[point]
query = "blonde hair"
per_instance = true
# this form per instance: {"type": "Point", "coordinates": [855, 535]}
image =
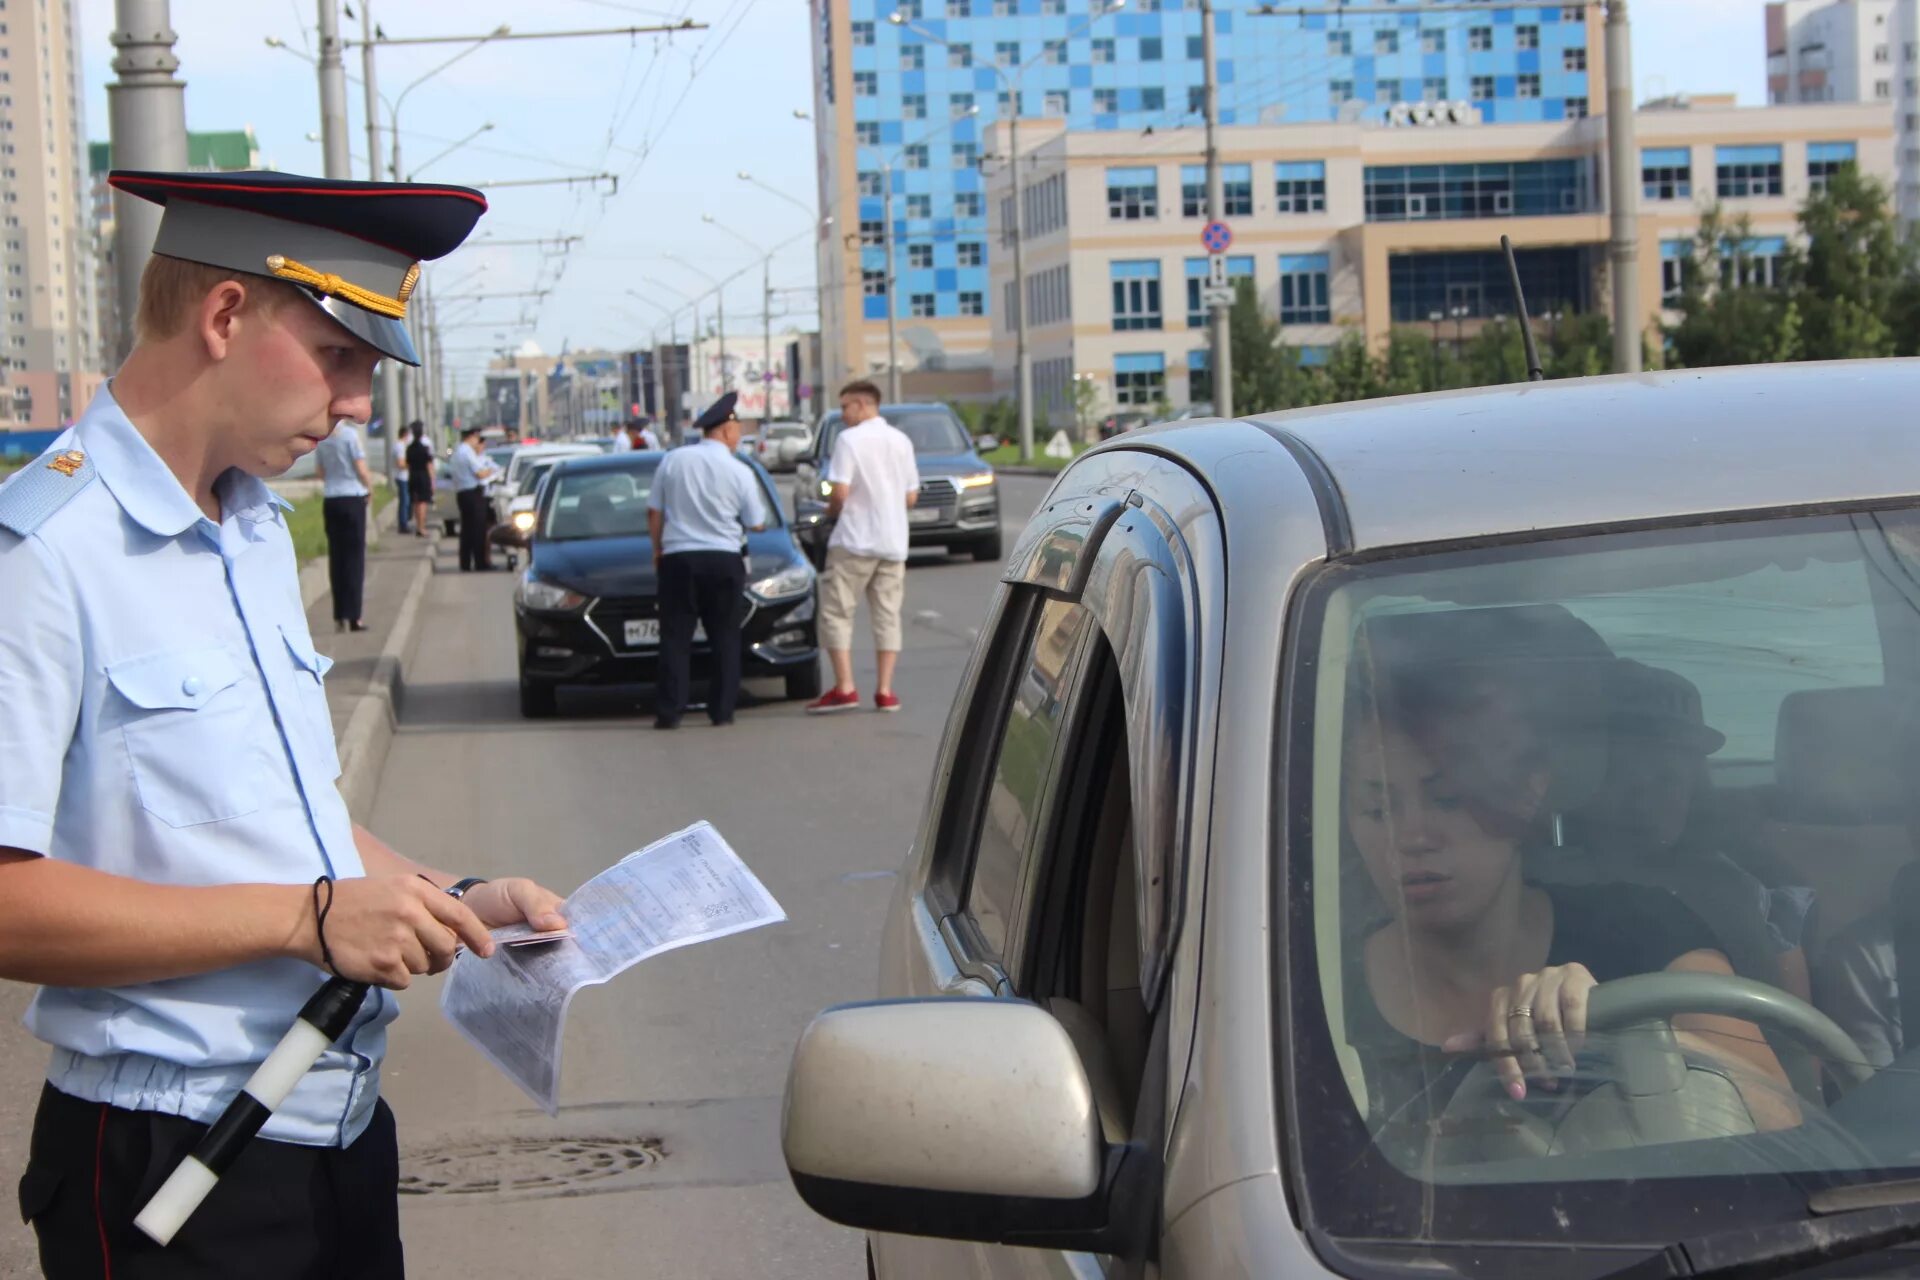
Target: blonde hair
{"type": "Point", "coordinates": [170, 288]}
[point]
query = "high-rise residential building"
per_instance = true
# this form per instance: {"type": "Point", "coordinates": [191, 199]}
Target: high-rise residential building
{"type": "Point", "coordinates": [918, 98]}
{"type": "Point", "coordinates": [1831, 51]}
{"type": "Point", "coordinates": [48, 336]}
{"type": "Point", "coordinates": [218, 151]}
{"type": "Point", "coordinates": [1906, 108]}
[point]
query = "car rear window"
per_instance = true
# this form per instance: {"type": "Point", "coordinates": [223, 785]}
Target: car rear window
{"type": "Point", "coordinates": [600, 504]}
{"type": "Point", "coordinates": [931, 430]}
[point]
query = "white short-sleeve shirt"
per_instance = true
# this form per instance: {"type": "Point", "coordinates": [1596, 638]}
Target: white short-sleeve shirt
{"type": "Point", "coordinates": [875, 461]}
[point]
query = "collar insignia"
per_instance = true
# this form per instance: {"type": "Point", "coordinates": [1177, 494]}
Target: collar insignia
{"type": "Point", "coordinates": [68, 463]}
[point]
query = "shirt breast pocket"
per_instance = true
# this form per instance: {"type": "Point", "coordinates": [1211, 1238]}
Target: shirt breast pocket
{"type": "Point", "coordinates": [193, 729]}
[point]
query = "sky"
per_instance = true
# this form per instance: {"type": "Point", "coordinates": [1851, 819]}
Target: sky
{"type": "Point", "coordinates": [676, 118]}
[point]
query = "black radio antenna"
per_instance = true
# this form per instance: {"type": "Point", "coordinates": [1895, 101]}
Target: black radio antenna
{"type": "Point", "coordinates": [1534, 372]}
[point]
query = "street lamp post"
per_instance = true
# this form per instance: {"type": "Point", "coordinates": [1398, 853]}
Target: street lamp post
{"type": "Point", "coordinates": [693, 302]}
{"type": "Point", "coordinates": [719, 307]}
{"type": "Point", "coordinates": [1023, 360]}
{"type": "Point", "coordinates": [766, 308]}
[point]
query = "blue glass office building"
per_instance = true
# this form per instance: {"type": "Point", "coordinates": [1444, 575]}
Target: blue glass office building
{"type": "Point", "coordinates": [900, 96]}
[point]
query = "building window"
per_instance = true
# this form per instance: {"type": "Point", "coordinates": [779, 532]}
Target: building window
{"type": "Point", "coordinates": [1403, 193]}
{"type": "Point", "coordinates": [1006, 8]}
{"type": "Point", "coordinates": [973, 304]}
{"type": "Point", "coordinates": [1133, 194]}
{"type": "Point", "coordinates": [1479, 39]}
{"type": "Point", "coordinates": [1433, 40]}
{"type": "Point", "coordinates": [1477, 283]}
{"type": "Point", "coordinates": [913, 106]}
{"type": "Point", "coordinates": [1754, 263]}
{"type": "Point", "coordinates": [1747, 171]}
{"type": "Point", "coordinates": [1055, 103]}
{"type": "Point", "coordinates": [1666, 173]}
{"type": "Point", "coordinates": [1303, 289]}
{"type": "Point", "coordinates": [1300, 186]}
{"type": "Point", "coordinates": [1102, 51]}
{"type": "Point", "coordinates": [873, 232]}
{"type": "Point", "coordinates": [1340, 43]}
{"type": "Point", "coordinates": [1481, 89]}
{"type": "Point", "coordinates": [966, 155]}
{"type": "Point", "coordinates": [870, 184]}
{"type": "Point", "coordinates": [1340, 91]}
{"type": "Point", "coordinates": [873, 283]}
{"type": "Point", "coordinates": [920, 206]}
{"type": "Point", "coordinates": [969, 253]}
{"type": "Point", "coordinates": [1386, 40]}
{"type": "Point", "coordinates": [960, 56]}
{"type": "Point", "coordinates": [961, 104]}
{"type": "Point", "coordinates": [1526, 37]}
{"type": "Point", "coordinates": [1574, 108]}
{"type": "Point", "coordinates": [867, 133]}
{"type": "Point", "coordinates": [1433, 88]}
{"type": "Point", "coordinates": [1238, 268]}
{"type": "Point", "coordinates": [1149, 48]}
{"type": "Point", "coordinates": [1387, 90]}
{"type": "Point", "coordinates": [1139, 380]}
{"type": "Point", "coordinates": [1136, 294]}
{"type": "Point", "coordinates": [1006, 52]}
{"type": "Point", "coordinates": [1573, 13]}
{"type": "Point", "coordinates": [1056, 53]}
{"type": "Point", "coordinates": [1236, 191]}
{"type": "Point", "coordinates": [913, 57]}
{"type": "Point", "coordinates": [1106, 102]}
{"type": "Point", "coordinates": [1526, 86]}
{"type": "Point", "coordinates": [920, 257]}
{"type": "Point", "coordinates": [920, 306]}
{"type": "Point", "coordinates": [1882, 53]}
{"type": "Point", "coordinates": [865, 84]}
{"type": "Point", "coordinates": [1673, 262]}
{"type": "Point", "coordinates": [914, 157]}
{"type": "Point", "coordinates": [1881, 88]}
{"type": "Point", "coordinates": [862, 34]}
{"type": "Point", "coordinates": [1153, 98]}
{"type": "Point", "coordinates": [1824, 159]}
{"type": "Point", "coordinates": [968, 204]}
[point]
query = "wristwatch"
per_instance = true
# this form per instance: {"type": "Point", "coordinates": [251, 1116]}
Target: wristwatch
{"type": "Point", "coordinates": [459, 888]}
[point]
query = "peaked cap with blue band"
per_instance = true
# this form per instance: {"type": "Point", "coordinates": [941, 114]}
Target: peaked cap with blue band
{"type": "Point", "coordinates": [353, 248]}
{"type": "Point", "coordinates": [720, 413]}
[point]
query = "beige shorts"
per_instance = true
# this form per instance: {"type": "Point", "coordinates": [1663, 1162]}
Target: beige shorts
{"type": "Point", "coordinates": [847, 576]}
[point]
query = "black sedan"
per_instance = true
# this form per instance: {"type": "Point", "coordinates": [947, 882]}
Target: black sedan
{"type": "Point", "coordinates": [588, 609]}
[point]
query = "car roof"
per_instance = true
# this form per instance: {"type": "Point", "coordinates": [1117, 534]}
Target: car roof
{"type": "Point", "coordinates": [1577, 453]}
{"type": "Point", "coordinates": [597, 461]}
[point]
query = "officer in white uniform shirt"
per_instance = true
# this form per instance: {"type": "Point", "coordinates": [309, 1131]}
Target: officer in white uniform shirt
{"type": "Point", "coordinates": [169, 814]}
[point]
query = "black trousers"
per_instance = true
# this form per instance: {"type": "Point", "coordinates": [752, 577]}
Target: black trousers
{"type": "Point", "coordinates": [702, 587]}
{"type": "Point", "coordinates": [475, 516]}
{"type": "Point", "coordinates": [346, 524]}
{"type": "Point", "coordinates": [282, 1211]}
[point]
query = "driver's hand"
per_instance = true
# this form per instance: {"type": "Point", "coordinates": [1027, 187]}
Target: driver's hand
{"type": "Point", "coordinates": [1535, 1024]}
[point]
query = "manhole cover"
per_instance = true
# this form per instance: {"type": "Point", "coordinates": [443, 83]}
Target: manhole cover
{"type": "Point", "coordinates": [526, 1166]}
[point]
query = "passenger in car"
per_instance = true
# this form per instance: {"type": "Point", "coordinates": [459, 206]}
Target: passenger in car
{"type": "Point", "coordinates": [1646, 826]}
{"type": "Point", "coordinates": [1444, 781]}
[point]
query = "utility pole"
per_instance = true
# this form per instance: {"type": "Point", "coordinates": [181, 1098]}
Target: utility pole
{"type": "Point", "coordinates": [1623, 195]}
{"type": "Point", "coordinates": [766, 340]}
{"type": "Point", "coordinates": [886, 240]}
{"type": "Point", "coordinates": [147, 111]}
{"type": "Point", "coordinates": [1022, 362]}
{"type": "Point", "coordinates": [333, 94]}
{"type": "Point", "coordinates": [390, 411]}
{"type": "Point", "coordinates": [1220, 361]}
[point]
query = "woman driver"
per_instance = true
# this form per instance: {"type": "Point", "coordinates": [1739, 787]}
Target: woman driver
{"type": "Point", "coordinates": [1445, 780]}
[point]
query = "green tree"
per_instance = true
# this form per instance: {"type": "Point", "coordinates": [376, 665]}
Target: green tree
{"type": "Point", "coordinates": [1855, 271]}
{"type": "Point", "coordinates": [1260, 378]}
{"type": "Point", "coordinates": [1727, 316]}
{"type": "Point", "coordinates": [1350, 372]}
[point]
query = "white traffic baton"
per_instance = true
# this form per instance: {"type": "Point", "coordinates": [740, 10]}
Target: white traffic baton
{"type": "Point", "coordinates": [321, 1022]}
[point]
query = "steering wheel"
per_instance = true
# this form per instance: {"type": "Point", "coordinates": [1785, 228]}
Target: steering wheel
{"type": "Point", "coordinates": [1653, 1095]}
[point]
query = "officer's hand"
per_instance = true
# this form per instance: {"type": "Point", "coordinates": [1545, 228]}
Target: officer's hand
{"type": "Point", "coordinates": [515, 900]}
{"type": "Point", "coordinates": [385, 929]}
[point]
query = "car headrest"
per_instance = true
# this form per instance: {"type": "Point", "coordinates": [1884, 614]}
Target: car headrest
{"type": "Point", "coordinates": [1847, 755]}
{"type": "Point", "coordinates": [1554, 664]}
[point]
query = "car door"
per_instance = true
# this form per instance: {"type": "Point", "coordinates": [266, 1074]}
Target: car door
{"type": "Point", "coordinates": [1056, 837]}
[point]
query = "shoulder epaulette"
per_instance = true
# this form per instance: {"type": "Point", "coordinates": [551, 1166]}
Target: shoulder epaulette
{"type": "Point", "coordinates": [42, 487]}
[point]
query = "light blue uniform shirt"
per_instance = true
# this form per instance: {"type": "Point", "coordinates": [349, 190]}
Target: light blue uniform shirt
{"type": "Point", "coordinates": [162, 717]}
{"type": "Point", "coordinates": [337, 453]}
{"type": "Point", "coordinates": [709, 498]}
{"type": "Point", "coordinates": [469, 468]}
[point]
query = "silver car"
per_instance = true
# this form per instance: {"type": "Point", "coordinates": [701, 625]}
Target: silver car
{"type": "Point", "coordinates": [1468, 834]}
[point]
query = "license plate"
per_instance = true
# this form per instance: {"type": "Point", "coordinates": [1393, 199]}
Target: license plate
{"type": "Point", "coordinates": [646, 631]}
{"type": "Point", "coordinates": [924, 515]}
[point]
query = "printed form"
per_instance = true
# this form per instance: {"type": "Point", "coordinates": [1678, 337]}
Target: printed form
{"type": "Point", "coordinates": [690, 887]}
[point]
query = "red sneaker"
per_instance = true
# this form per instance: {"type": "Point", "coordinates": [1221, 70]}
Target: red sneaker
{"type": "Point", "coordinates": [834, 700]}
{"type": "Point", "coordinates": [886, 702]}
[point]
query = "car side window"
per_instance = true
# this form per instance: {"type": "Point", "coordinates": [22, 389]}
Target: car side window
{"type": "Point", "coordinates": [1016, 787]}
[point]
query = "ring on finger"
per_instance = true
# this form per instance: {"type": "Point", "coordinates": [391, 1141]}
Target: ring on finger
{"type": "Point", "coordinates": [1521, 1011]}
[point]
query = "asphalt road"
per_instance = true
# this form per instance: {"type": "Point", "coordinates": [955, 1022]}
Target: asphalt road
{"type": "Point", "coordinates": [665, 1157]}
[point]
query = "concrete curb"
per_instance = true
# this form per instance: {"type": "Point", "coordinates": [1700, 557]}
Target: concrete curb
{"type": "Point", "coordinates": [370, 725]}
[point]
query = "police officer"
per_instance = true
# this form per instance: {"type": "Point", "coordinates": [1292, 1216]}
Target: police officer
{"type": "Point", "coordinates": [704, 503]}
{"type": "Point", "coordinates": [471, 469]}
{"type": "Point", "coordinates": [169, 819]}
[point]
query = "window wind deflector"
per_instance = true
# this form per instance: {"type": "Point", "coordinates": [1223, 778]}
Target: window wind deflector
{"type": "Point", "coordinates": [1785, 1248]}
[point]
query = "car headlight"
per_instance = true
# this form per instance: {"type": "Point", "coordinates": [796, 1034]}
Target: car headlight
{"type": "Point", "coordinates": [980, 481]}
{"type": "Point", "coordinates": [788, 582]}
{"type": "Point", "coordinates": [546, 597]}
{"type": "Point", "coordinates": [523, 521]}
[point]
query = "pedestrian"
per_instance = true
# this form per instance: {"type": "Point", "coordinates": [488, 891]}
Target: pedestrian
{"type": "Point", "coordinates": [643, 435]}
{"type": "Point", "coordinates": [704, 503]}
{"type": "Point", "coordinates": [345, 484]}
{"type": "Point", "coordinates": [402, 483]}
{"type": "Point", "coordinates": [420, 479]}
{"type": "Point", "coordinates": [622, 441]}
{"type": "Point", "coordinates": [471, 470]}
{"type": "Point", "coordinates": [178, 871]}
{"type": "Point", "coordinates": [874, 480]}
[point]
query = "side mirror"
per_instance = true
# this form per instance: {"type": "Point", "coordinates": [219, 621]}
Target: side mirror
{"type": "Point", "coordinates": [963, 1119]}
{"type": "Point", "coordinates": [986, 444]}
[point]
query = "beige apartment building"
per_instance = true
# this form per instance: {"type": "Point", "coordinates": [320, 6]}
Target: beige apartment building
{"type": "Point", "coordinates": [48, 337]}
{"type": "Point", "coordinates": [1364, 227]}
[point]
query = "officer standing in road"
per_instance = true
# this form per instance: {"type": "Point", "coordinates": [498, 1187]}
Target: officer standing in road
{"type": "Point", "coordinates": [178, 870]}
{"type": "Point", "coordinates": [471, 470]}
{"type": "Point", "coordinates": [704, 503]}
